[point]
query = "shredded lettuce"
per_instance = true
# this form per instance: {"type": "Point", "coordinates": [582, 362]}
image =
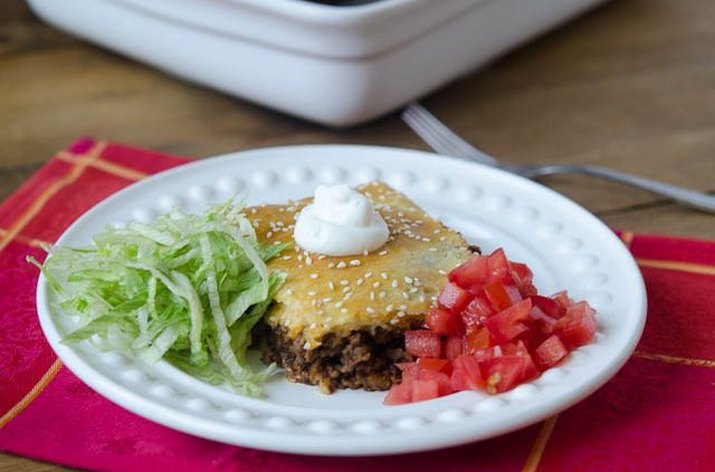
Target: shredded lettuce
{"type": "Point", "coordinates": [185, 288]}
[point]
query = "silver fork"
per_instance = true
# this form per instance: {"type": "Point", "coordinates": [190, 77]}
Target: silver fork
{"type": "Point", "coordinates": [445, 141]}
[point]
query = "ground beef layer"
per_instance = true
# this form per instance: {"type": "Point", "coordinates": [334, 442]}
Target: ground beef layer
{"type": "Point", "coordinates": [363, 359]}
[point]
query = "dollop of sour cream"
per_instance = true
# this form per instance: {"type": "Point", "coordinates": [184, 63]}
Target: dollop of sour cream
{"type": "Point", "coordinates": [340, 222]}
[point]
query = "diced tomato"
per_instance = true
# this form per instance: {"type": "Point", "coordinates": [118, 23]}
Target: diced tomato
{"type": "Point", "coordinates": [549, 306]}
{"type": "Point", "coordinates": [550, 352]}
{"type": "Point", "coordinates": [423, 343]}
{"type": "Point", "coordinates": [399, 394]}
{"type": "Point", "coordinates": [508, 324]}
{"type": "Point", "coordinates": [444, 321]}
{"type": "Point", "coordinates": [497, 265]}
{"type": "Point", "coordinates": [506, 372]}
{"type": "Point", "coordinates": [453, 347]}
{"type": "Point", "coordinates": [424, 390]}
{"type": "Point", "coordinates": [487, 353]}
{"type": "Point", "coordinates": [523, 278]}
{"type": "Point", "coordinates": [432, 363]}
{"type": "Point", "coordinates": [514, 294]}
{"type": "Point", "coordinates": [471, 275]}
{"type": "Point", "coordinates": [497, 295]}
{"type": "Point", "coordinates": [412, 371]}
{"type": "Point", "coordinates": [562, 298]}
{"type": "Point", "coordinates": [578, 326]}
{"type": "Point", "coordinates": [477, 311]}
{"type": "Point", "coordinates": [477, 339]}
{"type": "Point", "coordinates": [454, 298]}
{"type": "Point", "coordinates": [466, 374]}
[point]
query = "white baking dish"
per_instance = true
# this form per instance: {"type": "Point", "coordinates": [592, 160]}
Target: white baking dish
{"type": "Point", "coordinates": [335, 65]}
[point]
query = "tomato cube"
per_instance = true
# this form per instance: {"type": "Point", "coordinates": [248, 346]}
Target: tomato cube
{"type": "Point", "coordinates": [477, 311]}
{"type": "Point", "coordinates": [399, 394]}
{"type": "Point", "coordinates": [549, 306]}
{"type": "Point", "coordinates": [424, 390]}
{"type": "Point", "coordinates": [578, 326]}
{"type": "Point", "coordinates": [497, 265]}
{"type": "Point", "coordinates": [523, 278]}
{"type": "Point", "coordinates": [453, 347]}
{"type": "Point", "coordinates": [506, 372]}
{"type": "Point", "coordinates": [508, 324]}
{"type": "Point", "coordinates": [497, 295]}
{"type": "Point", "coordinates": [423, 343]}
{"type": "Point", "coordinates": [550, 352]}
{"type": "Point", "coordinates": [466, 374]}
{"type": "Point", "coordinates": [434, 364]}
{"type": "Point", "coordinates": [443, 321]}
{"type": "Point", "coordinates": [472, 275]}
{"type": "Point", "coordinates": [477, 339]}
{"type": "Point", "coordinates": [454, 298]}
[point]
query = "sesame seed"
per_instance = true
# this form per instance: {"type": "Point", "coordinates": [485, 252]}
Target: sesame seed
{"type": "Point", "coordinates": [442, 238]}
{"type": "Point", "coordinates": [394, 321]}
{"type": "Point", "coordinates": [313, 325]}
{"type": "Point", "coordinates": [394, 283]}
{"type": "Point", "coordinates": [331, 265]}
{"type": "Point", "coordinates": [346, 289]}
{"type": "Point", "coordinates": [327, 300]}
{"type": "Point", "coordinates": [312, 293]}
{"type": "Point", "coordinates": [409, 280]}
{"type": "Point", "coordinates": [279, 223]}
{"type": "Point", "coordinates": [382, 294]}
{"type": "Point", "coordinates": [341, 265]}
{"type": "Point", "coordinates": [370, 310]}
{"type": "Point", "coordinates": [355, 262]}
{"type": "Point", "coordinates": [289, 292]}
{"type": "Point", "coordinates": [364, 253]}
{"type": "Point", "coordinates": [306, 346]}
{"type": "Point", "coordinates": [344, 282]}
{"type": "Point", "coordinates": [269, 234]}
{"type": "Point", "coordinates": [437, 231]}
{"type": "Point", "coordinates": [331, 285]}
{"type": "Point", "coordinates": [359, 282]}
{"type": "Point", "coordinates": [308, 260]}
{"type": "Point", "coordinates": [300, 257]}
{"type": "Point", "coordinates": [372, 296]}
{"type": "Point", "coordinates": [442, 272]}
{"type": "Point", "coordinates": [403, 307]}
{"type": "Point", "coordinates": [343, 310]}
{"type": "Point", "coordinates": [376, 284]}
{"type": "Point", "coordinates": [347, 295]}
{"type": "Point", "coordinates": [313, 276]}
{"type": "Point", "coordinates": [383, 275]}
{"type": "Point", "coordinates": [253, 211]}
{"type": "Point", "coordinates": [321, 257]}
{"type": "Point", "coordinates": [413, 290]}
{"type": "Point", "coordinates": [382, 253]}
{"type": "Point", "coordinates": [389, 308]}
{"type": "Point", "coordinates": [338, 304]}
{"type": "Point", "coordinates": [400, 314]}
{"type": "Point", "coordinates": [405, 295]}
{"type": "Point", "coordinates": [368, 275]}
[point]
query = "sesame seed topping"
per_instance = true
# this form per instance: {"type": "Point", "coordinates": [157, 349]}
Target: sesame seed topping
{"type": "Point", "coordinates": [359, 282]}
{"type": "Point", "coordinates": [382, 253]}
{"type": "Point", "coordinates": [308, 260]}
{"type": "Point", "coordinates": [339, 304]}
{"type": "Point", "coordinates": [312, 293]}
{"type": "Point", "coordinates": [269, 234]}
{"type": "Point", "coordinates": [382, 294]}
{"type": "Point", "coordinates": [389, 308]}
{"type": "Point", "coordinates": [343, 310]}
{"type": "Point", "coordinates": [405, 295]}
{"type": "Point", "coordinates": [313, 276]}
{"type": "Point", "coordinates": [394, 321]}
{"type": "Point", "coordinates": [355, 262]}
{"type": "Point", "coordinates": [372, 296]}
{"type": "Point", "coordinates": [403, 307]}
{"type": "Point", "coordinates": [442, 272]}
{"type": "Point", "coordinates": [394, 283]}
{"type": "Point", "coordinates": [331, 285]}
{"type": "Point", "coordinates": [331, 265]}
{"type": "Point", "coordinates": [327, 300]}
{"type": "Point", "coordinates": [383, 275]}
{"type": "Point", "coordinates": [306, 346]}
{"type": "Point", "coordinates": [413, 290]}
{"type": "Point", "coordinates": [376, 284]}
{"type": "Point", "coordinates": [442, 238]}
{"type": "Point", "coordinates": [368, 275]}
{"type": "Point", "coordinates": [370, 310]}
{"type": "Point", "coordinates": [289, 292]}
{"type": "Point", "coordinates": [344, 282]}
{"type": "Point", "coordinates": [313, 325]}
{"type": "Point", "coordinates": [409, 280]}
{"type": "Point", "coordinates": [341, 265]}
{"type": "Point", "coordinates": [400, 314]}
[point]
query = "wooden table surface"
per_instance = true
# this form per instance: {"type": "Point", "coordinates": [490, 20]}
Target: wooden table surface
{"type": "Point", "coordinates": [630, 86]}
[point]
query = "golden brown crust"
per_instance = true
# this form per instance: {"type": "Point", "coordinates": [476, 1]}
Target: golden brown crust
{"type": "Point", "coordinates": [390, 287]}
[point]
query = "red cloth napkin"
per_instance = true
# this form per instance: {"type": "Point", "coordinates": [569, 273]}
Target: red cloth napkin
{"type": "Point", "coordinates": [658, 413]}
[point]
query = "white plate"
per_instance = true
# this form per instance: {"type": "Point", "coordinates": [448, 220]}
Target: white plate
{"type": "Point", "coordinates": [566, 247]}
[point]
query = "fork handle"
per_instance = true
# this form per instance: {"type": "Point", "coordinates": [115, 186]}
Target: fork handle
{"type": "Point", "coordinates": [693, 198]}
